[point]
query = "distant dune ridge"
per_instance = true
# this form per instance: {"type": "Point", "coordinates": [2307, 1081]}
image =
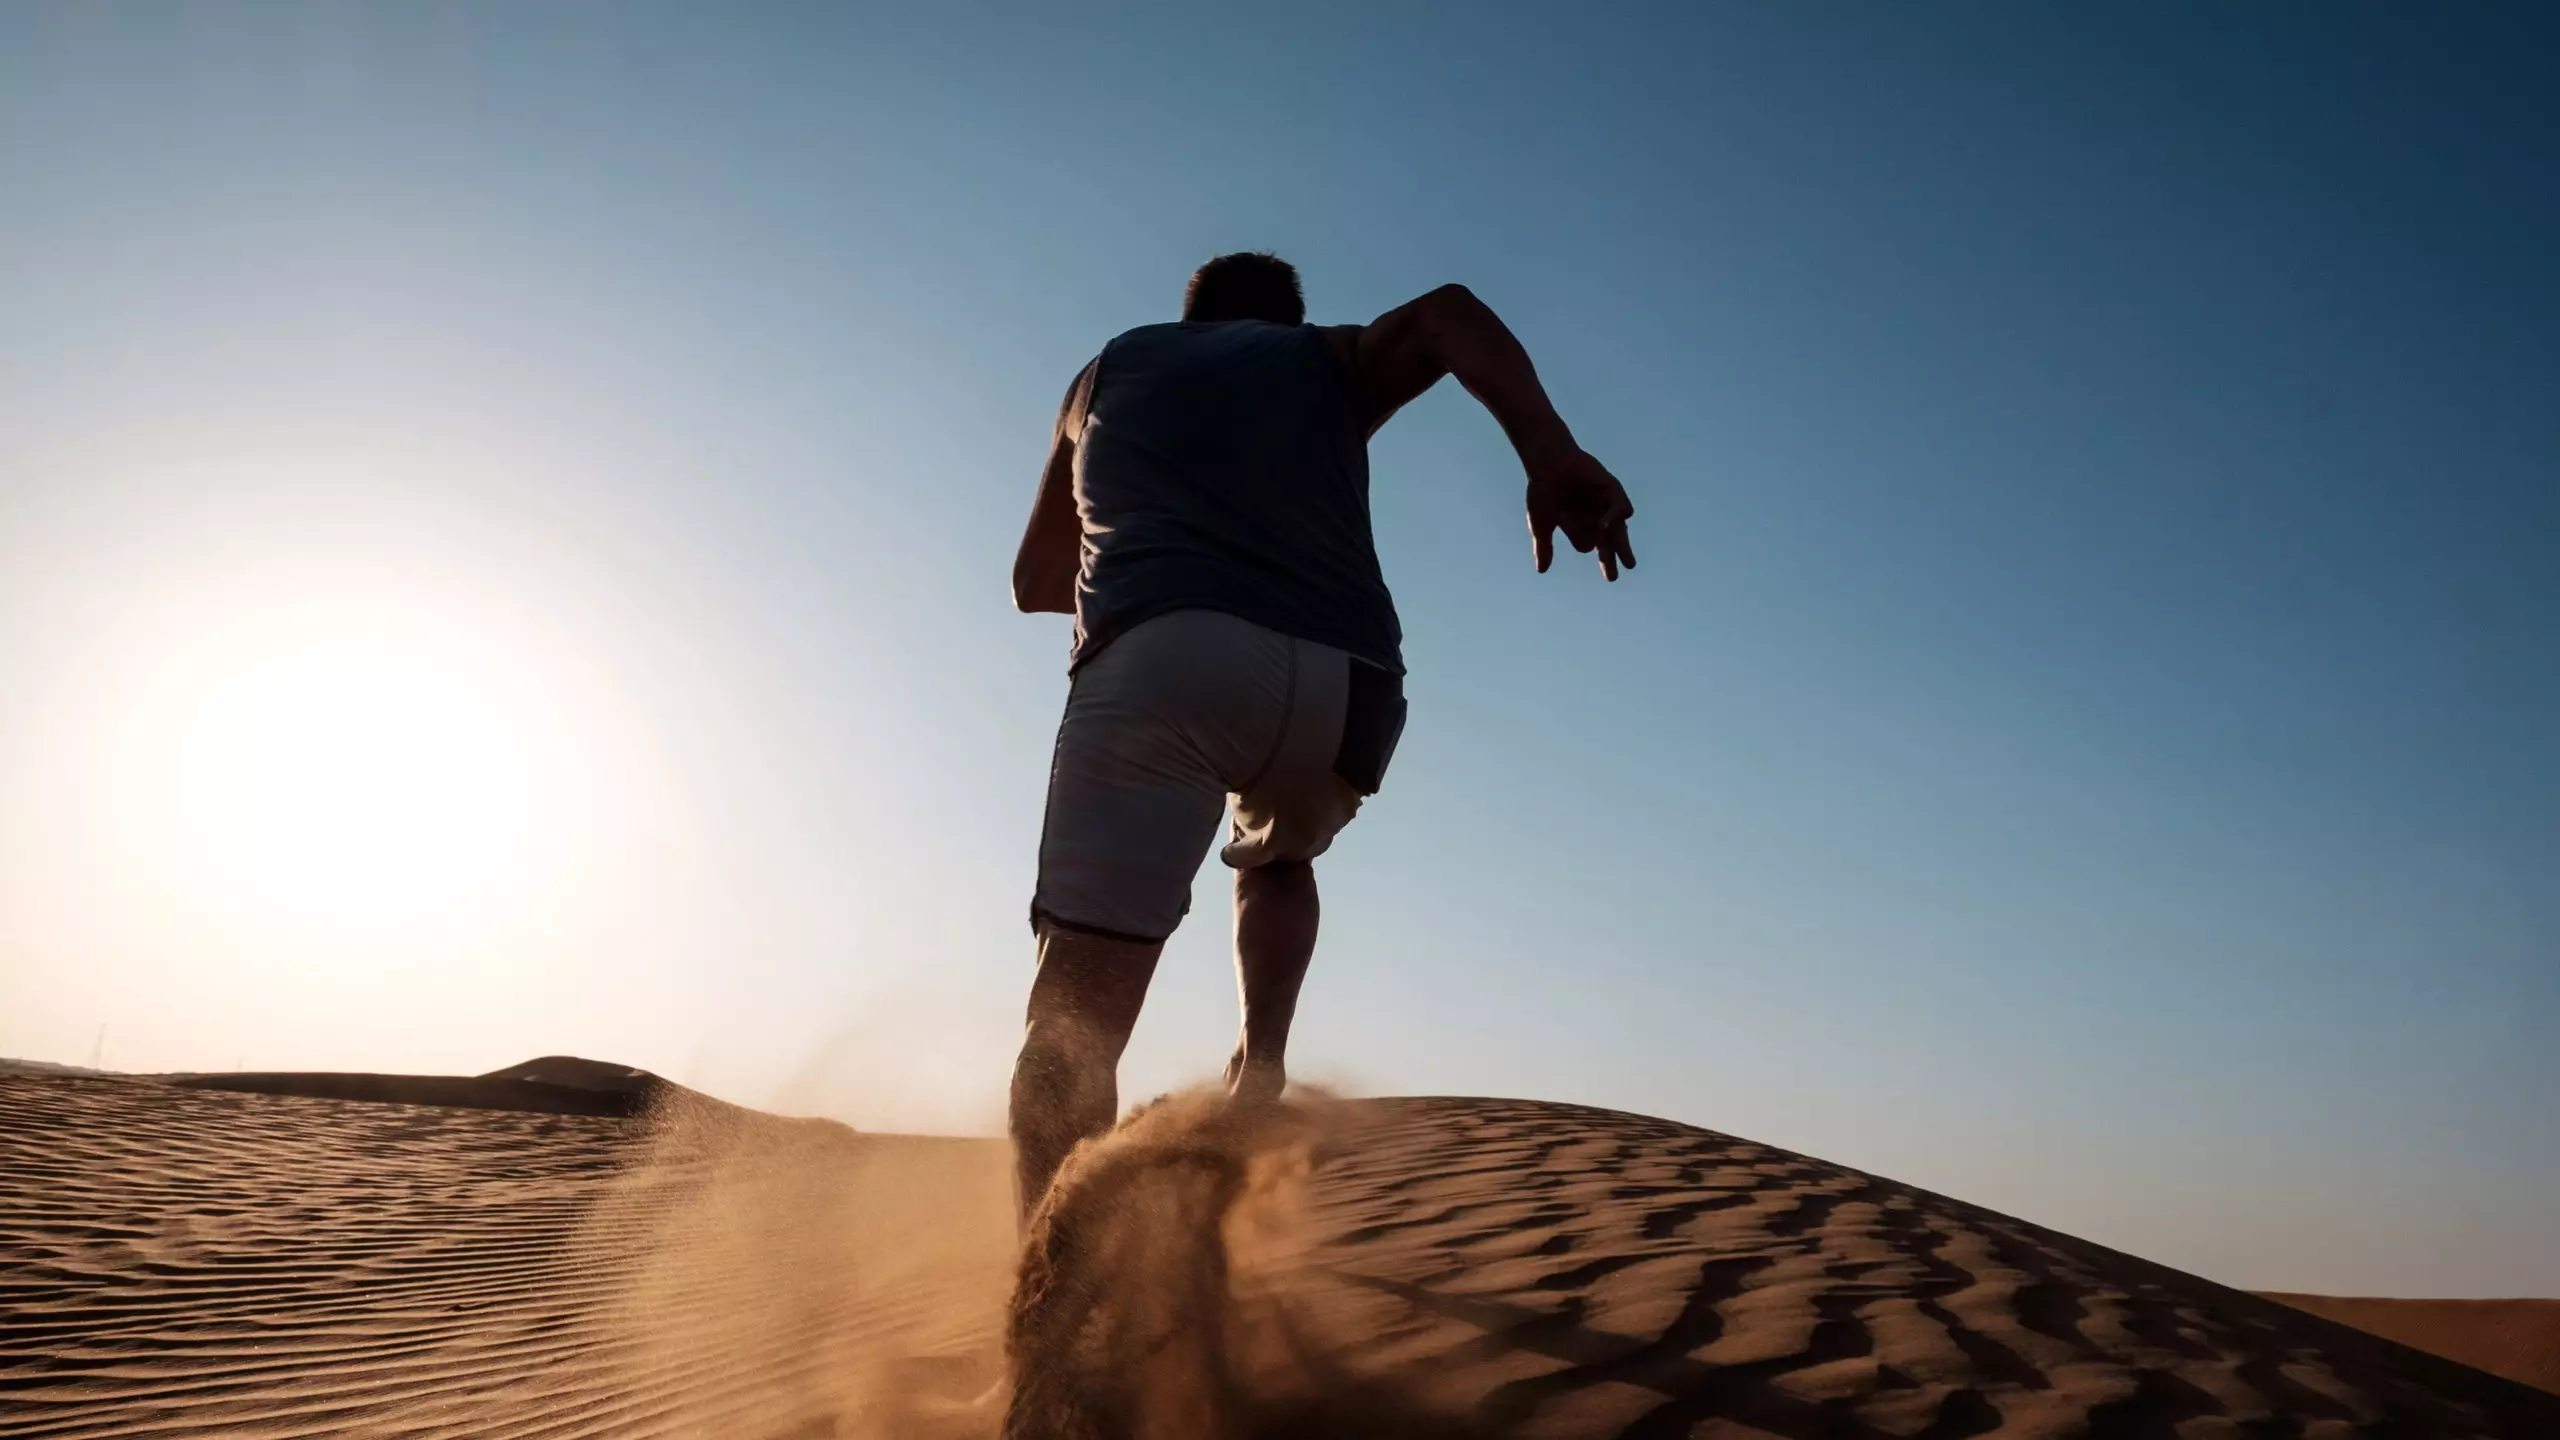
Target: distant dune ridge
{"type": "Point", "coordinates": [2519, 1339]}
{"type": "Point", "coordinates": [552, 1085]}
{"type": "Point", "coordinates": [183, 1259]}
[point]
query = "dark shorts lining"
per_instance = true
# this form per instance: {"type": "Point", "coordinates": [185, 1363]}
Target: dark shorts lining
{"type": "Point", "coordinates": [1372, 722]}
{"type": "Point", "coordinates": [1041, 916]}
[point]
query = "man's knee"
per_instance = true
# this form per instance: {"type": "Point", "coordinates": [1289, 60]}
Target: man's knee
{"type": "Point", "coordinates": [1062, 1043]}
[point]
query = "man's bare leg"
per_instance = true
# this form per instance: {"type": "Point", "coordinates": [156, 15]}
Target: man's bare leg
{"type": "Point", "coordinates": [1276, 917]}
{"type": "Point", "coordinates": [1084, 1003]}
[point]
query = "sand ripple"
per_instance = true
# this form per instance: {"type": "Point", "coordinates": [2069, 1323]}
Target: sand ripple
{"type": "Point", "coordinates": [178, 1262]}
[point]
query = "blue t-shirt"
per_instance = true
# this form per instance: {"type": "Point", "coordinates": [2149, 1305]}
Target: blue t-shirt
{"type": "Point", "coordinates": [1225, 467]}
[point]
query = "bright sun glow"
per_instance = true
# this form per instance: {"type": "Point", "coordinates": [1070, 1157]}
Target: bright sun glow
{"type": "Point", "coordinates": [360, 787]}
{"type": "Point", "coordinates": [307, 773]}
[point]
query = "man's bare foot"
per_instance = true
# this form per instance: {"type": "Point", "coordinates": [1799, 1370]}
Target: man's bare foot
{"type": "Point", "coordinates": [1253, 1082]}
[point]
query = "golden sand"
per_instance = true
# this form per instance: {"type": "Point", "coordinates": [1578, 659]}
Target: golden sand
{"type": "Point", "coordinates": [183, 1262]}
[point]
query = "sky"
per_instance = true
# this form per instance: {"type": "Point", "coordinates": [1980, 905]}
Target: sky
{"type": "Point", "coordinates": [506, 513]}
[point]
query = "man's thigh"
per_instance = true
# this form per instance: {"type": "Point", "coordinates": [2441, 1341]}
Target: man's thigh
{"type": "Point", "coordinates": [1344, 721]}
{"type": "Point", "coordinates": [1157, 728]}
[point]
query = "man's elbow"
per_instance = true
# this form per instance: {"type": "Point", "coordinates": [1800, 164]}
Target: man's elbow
{"type": "Point", "coordinates": [1452, 301]}
{"type": "Point", "coordinates": [1448, 319]}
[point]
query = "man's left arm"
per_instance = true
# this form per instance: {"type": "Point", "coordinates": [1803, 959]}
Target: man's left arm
{"type": "Point", "coordinates": [1044, 569]}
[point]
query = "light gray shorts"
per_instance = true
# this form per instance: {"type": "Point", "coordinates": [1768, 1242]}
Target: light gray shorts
{"type": "Point", "coordinates": [1168, 722]}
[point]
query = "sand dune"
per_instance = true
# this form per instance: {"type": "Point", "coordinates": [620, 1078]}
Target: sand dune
{"type": "Point", "coordinates": [185, 1262]}
{"type": "Point", "coordinates": [1480, 1267]}
{"type": "Point", "coordinates": [180, 1262]}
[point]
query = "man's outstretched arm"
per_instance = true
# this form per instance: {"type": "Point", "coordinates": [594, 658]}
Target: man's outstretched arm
{"type": "Point", "coordinates": [1450, 332]}
{"type": "Point", "coordinates": [1044, 569]}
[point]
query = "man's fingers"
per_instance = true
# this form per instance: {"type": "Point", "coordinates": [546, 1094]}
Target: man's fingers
{"type": "Point", "coordinates": [1591, 522]}
{"type": "Point", "coordinates": [1605, 540]}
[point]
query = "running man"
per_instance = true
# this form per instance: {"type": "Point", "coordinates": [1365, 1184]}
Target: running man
{"type": "Point", "coordinates": [1205, 518]}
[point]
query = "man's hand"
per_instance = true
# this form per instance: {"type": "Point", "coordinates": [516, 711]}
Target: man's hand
{"type": "Point", "coordinates": [1572, 492]}
{"type": "Point", "coordinates": [1449, 331]}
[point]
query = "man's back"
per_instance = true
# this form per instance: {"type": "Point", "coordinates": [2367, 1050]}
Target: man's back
{"type": "Point", "coordinates": [1225, 467]}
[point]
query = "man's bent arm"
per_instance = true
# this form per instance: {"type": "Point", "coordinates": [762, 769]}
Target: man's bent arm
{"type": "Point", "coordinates": [1044, 569]}
{"type": "Point", "coordinates": [1450, 332]}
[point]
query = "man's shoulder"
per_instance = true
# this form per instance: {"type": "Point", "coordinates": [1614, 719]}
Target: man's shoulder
{"type": "Point", "coordinates": [1190, 339]}
{"type": "Point", "coordinates": [1237, 330]}
{"type": "Point", "coordinates": [1143, 334]}
{"type": "Point", "coordinates": [1344, 342]}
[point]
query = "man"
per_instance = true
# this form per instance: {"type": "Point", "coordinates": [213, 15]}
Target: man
{"type": "Point", "coordinates": [1205, 517]}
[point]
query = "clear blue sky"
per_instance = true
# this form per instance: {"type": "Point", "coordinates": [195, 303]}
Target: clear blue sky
{"type": "Point", "coordinates": [2085, 735]}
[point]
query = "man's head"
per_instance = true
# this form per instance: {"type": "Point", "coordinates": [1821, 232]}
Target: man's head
{"type": "Point", "coordinates": [1248, 285]}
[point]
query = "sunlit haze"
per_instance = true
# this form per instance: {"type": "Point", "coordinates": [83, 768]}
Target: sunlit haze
{"type": "Point", "coordinates": [505, 515]}
{"type": "Point", "coordinates": [358, 781]}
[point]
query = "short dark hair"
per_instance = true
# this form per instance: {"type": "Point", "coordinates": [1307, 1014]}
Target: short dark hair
{"type": "Point", "coordinates": [1248, 285]}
